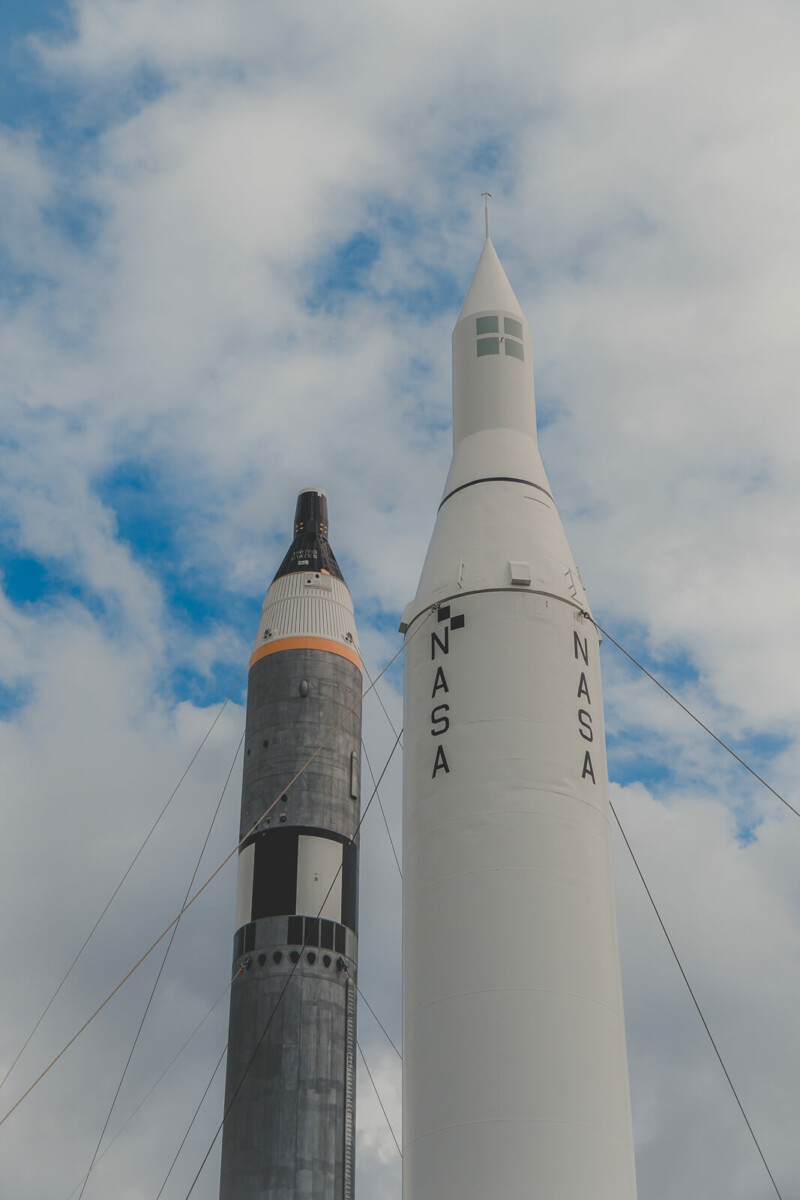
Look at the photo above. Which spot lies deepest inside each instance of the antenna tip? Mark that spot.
(487, 197)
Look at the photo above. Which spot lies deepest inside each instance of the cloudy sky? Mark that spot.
(234, 238)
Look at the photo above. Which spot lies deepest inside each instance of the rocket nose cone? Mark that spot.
(492, 376)
(311, 512)
(310, 550)
(490, 288)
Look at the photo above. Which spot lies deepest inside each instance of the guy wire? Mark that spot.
(203, 887)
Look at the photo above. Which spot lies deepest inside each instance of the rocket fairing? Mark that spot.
(515, 1080)
(289, 1129)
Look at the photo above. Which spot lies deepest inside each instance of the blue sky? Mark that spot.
(22, 97)
(233, 245)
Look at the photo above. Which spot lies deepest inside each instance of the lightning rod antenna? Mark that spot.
(487, 197)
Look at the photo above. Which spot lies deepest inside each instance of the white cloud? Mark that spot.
(644, 169)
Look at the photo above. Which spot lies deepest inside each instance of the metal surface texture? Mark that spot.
(289, 1130)
(515, 1079)
(310, 549)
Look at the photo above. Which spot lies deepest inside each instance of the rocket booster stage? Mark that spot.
(515, 1073)
(289, 1130)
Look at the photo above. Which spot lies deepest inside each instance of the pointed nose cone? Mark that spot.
(310, 550)
(490, 288)
(492, 371)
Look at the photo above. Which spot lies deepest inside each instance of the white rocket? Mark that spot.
(515, 1079)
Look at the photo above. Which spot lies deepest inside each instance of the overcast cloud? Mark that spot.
(234, 239)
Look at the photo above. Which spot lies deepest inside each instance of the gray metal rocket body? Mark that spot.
(289, 1130)
(515, 1081)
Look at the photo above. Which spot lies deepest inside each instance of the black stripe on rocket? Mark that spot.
(278, 886)
(440, 720)
(309, 932)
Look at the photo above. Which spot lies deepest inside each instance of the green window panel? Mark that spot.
(514, 349)
(488, 346)
(487, 325)
(513, 327)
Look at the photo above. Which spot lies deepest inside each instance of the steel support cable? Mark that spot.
(380, 701)
(695, 1001)
(153, 1086)
(689, 713)
(380, 805)
(377, 1093)
(194, 1118)
(203, 887)
(380, 1023)
(290, 976)
(228, 1108)
(161, 968)
(117, 889)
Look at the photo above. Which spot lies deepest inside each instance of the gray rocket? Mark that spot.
(289, 1128)
(515, 1080)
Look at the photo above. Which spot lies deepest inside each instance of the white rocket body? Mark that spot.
(515, 1080)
